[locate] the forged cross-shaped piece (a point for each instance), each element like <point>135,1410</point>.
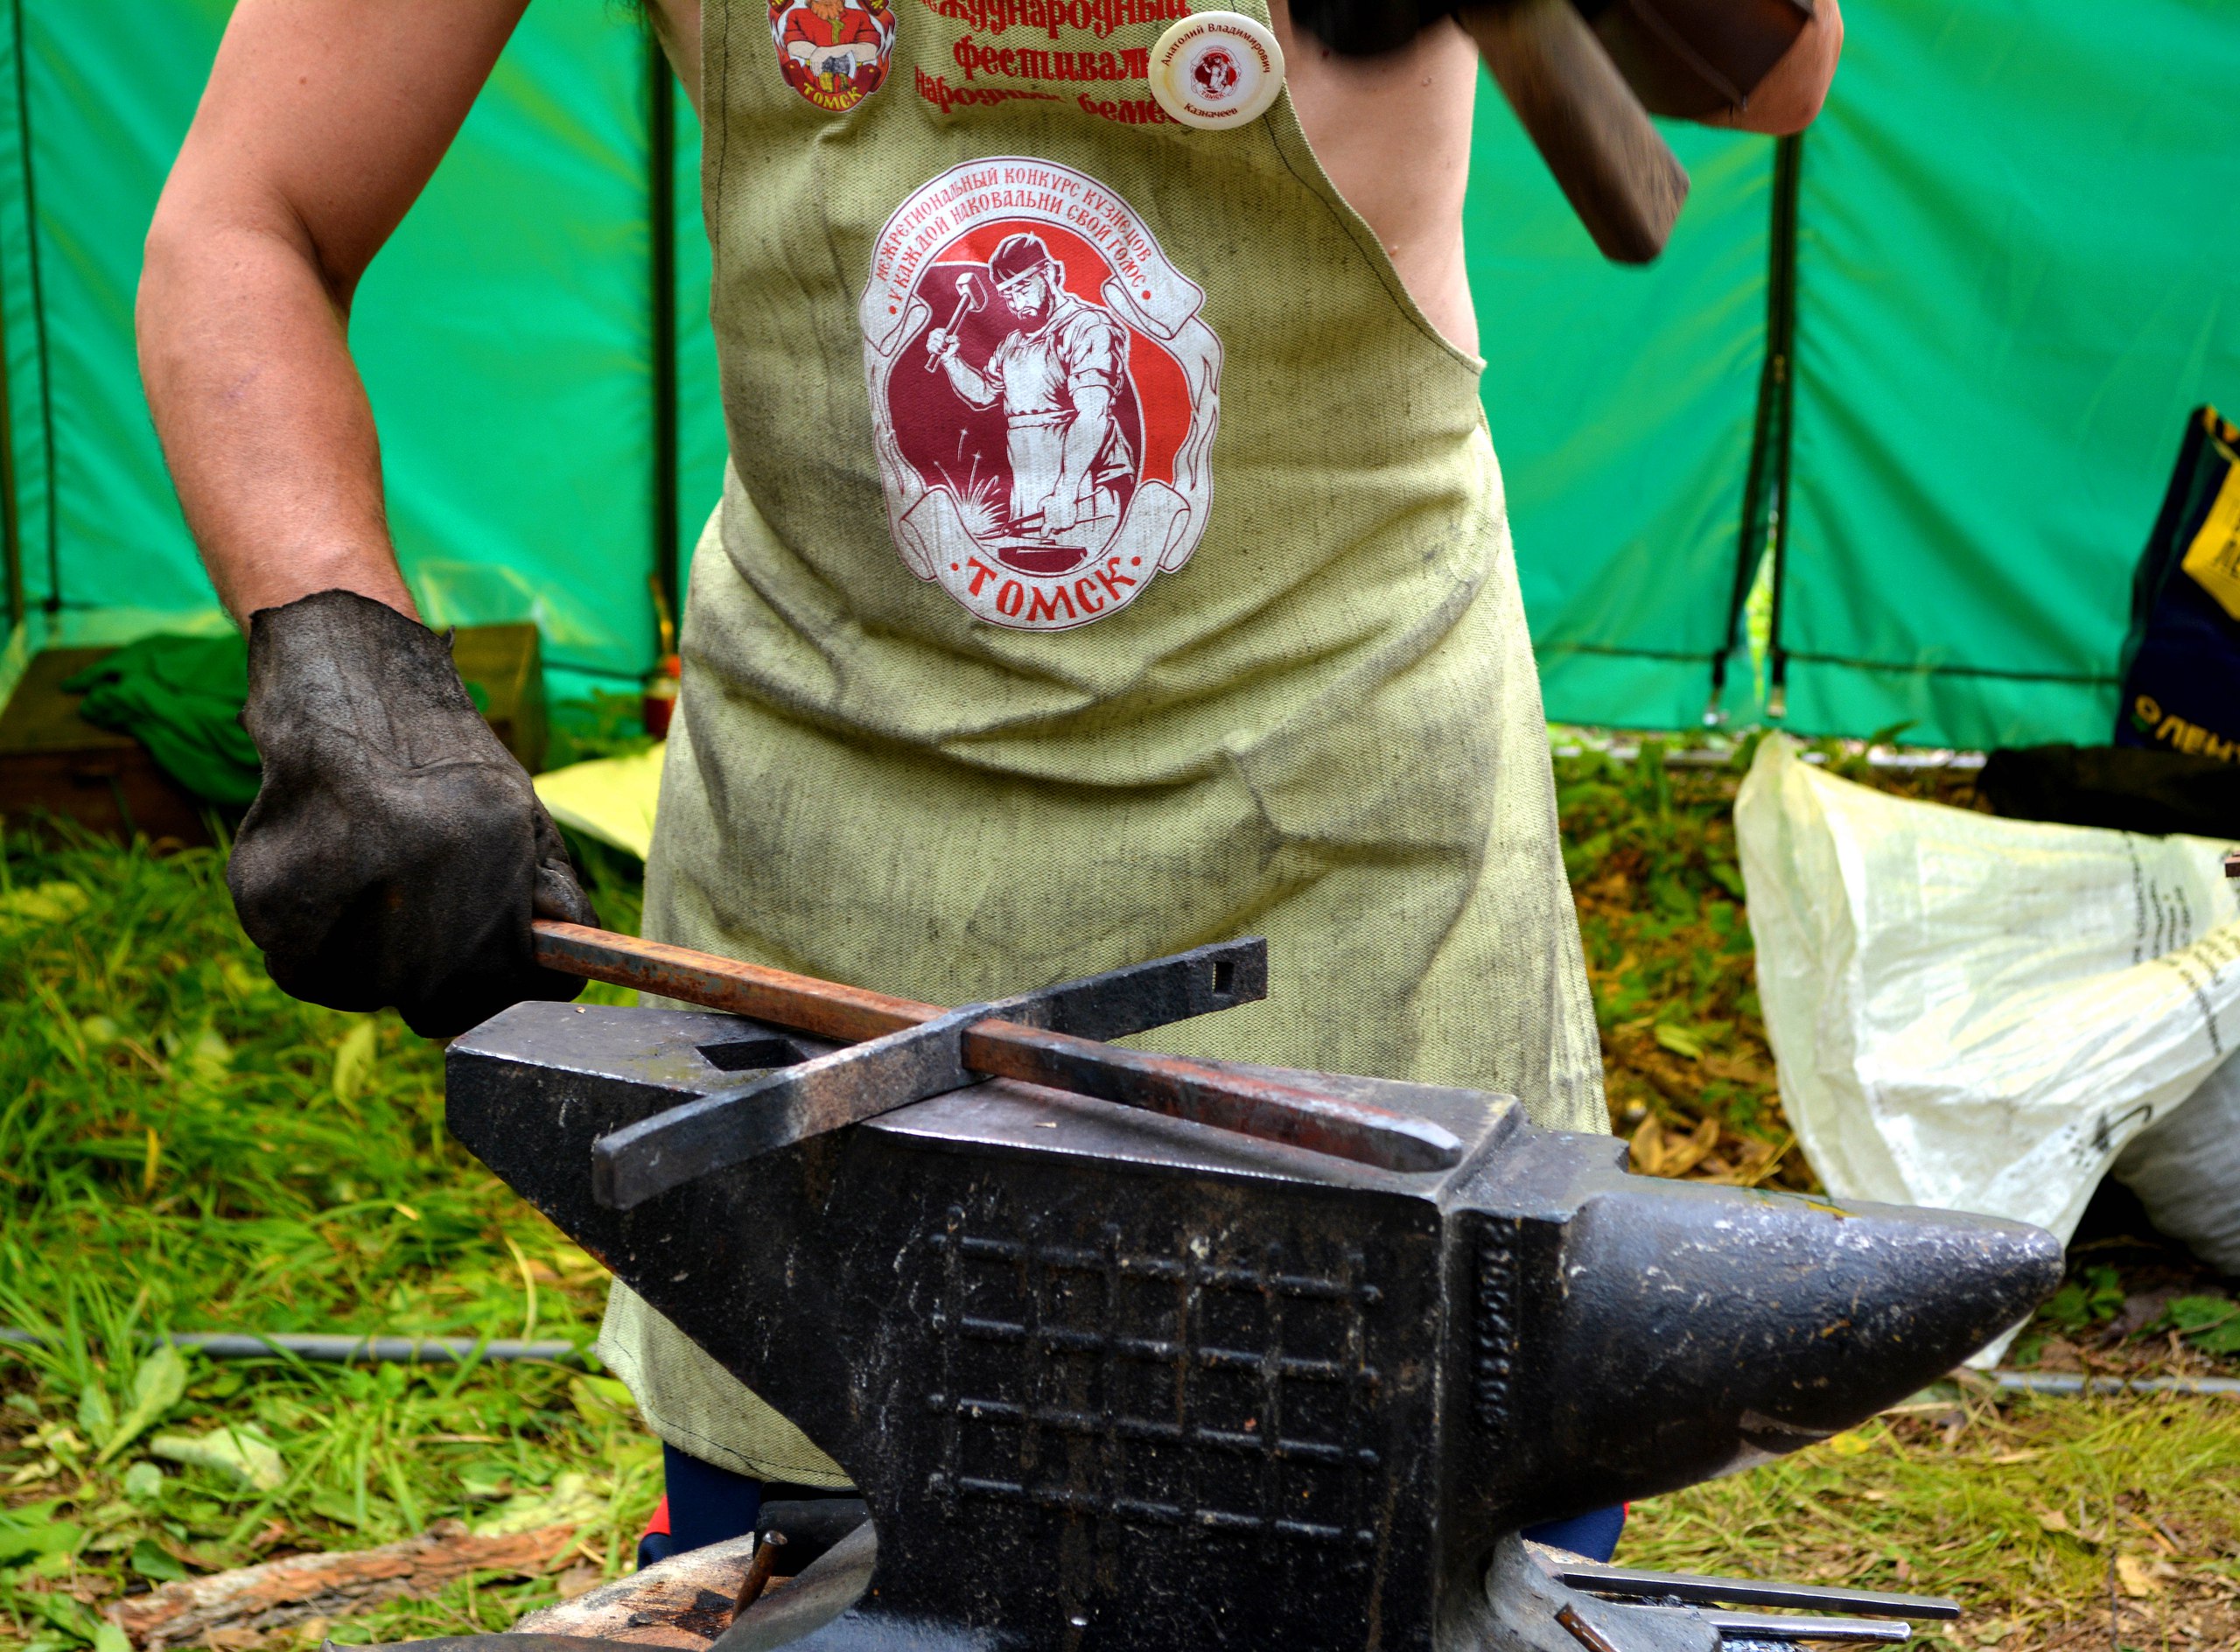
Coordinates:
<point>861,1081</point>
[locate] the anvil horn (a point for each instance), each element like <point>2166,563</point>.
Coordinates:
<point>1664,1332</point>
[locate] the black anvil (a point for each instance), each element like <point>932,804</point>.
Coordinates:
<point>1111,1380</point>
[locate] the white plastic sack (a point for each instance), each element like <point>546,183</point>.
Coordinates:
<point>1972,1012</point>
<point>2186,1171</point>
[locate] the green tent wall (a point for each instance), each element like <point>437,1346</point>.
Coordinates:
<point>508,334</point>
<point>2014,262</point>
<point>1930,363</point>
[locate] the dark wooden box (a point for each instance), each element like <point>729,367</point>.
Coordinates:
<point>52,760</point>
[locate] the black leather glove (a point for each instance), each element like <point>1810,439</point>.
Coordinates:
<point>395,851</point>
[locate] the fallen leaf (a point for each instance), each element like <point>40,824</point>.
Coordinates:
<point>230,1450</point>
<point>602,1399</point>
<point>1684,1155</point>
<point>354,1061</point>
<point>2138,1579</point>
<point>158,1384</point>
<point>95,1415</point>
<point>1648,1146</point>
<point>571,1501</point>
<point>209,1057</point>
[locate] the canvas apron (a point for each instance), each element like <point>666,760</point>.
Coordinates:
<point>973,704</point>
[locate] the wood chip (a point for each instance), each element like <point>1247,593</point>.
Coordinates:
<point>239,1608</point>
<point>685,1602</point>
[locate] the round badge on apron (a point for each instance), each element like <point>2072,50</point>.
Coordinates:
<point>1216,69</point>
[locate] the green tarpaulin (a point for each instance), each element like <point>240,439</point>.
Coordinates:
<point>2016,243</point>
<point>2013,235</point>
<point>181,697</point>
<point>506,334</point>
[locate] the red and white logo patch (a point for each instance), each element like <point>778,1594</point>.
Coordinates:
<point>1045,393</point>
<point>834,52</point>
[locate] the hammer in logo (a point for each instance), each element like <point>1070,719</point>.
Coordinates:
<point>968,299</point>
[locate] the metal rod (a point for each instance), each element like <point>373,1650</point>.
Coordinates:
<point>1583,1632</point>
<point>27,150</point>
<point>11,544</point>
<point>1752,1591</point>
<point>2069,1383</point>
<point>1770,426</point>
<point>1750,1625</point>
<point>331,1348</point>
<point>1250,1106</point>
<point>661,121</point>
<point>758,1569</point>
<point>1789,172</point>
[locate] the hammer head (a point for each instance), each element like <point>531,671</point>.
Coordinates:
<point>1170,1387</point>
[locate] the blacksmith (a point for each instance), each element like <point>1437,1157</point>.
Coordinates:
<point>1008,658</point>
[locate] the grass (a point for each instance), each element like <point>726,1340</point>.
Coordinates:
<point>2054,1521</point>
<point>182,1148</point>
<point>1650,852</point>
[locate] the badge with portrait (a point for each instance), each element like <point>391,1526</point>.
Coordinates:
<point>834,52</point>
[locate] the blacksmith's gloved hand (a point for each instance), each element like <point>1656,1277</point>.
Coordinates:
<point>396,852</point>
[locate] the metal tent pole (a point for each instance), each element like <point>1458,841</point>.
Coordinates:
<point>661,227</point>
<point>1765,490</point>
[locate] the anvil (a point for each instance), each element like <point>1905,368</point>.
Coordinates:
<point>1113,1381</point>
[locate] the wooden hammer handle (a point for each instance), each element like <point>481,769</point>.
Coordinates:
<point>1621,179</point>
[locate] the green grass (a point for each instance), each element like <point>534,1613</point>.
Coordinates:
<point>183,1148</point>
<point>2030,1513</point>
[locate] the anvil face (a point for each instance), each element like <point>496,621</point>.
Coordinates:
<point>1106,1378</point>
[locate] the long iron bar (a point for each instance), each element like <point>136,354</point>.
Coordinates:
<point>1750,1592</point>
<point>1754,1628</point>
<point>1258,1107</point>
<point>2069,1383</point>
<point>339,1348</point>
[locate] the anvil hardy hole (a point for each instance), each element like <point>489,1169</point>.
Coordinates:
<point>1224,976</point>
<point>745,1055</point>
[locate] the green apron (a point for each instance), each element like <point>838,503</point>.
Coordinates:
<point>1113,560</point>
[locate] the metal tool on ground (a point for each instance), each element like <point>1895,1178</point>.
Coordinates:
<point>1107,1378</point>
<point>1811,1612</point>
